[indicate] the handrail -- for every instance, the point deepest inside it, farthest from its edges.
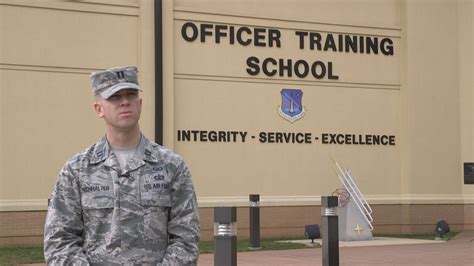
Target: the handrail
(358, 191)
(351, 187)
(358, 203)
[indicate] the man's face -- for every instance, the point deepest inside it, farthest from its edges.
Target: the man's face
(120, 111)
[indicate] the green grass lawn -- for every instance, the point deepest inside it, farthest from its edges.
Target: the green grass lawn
(265, 244)
(447, 236)
(23, 255)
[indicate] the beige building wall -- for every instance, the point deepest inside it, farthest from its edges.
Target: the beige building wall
(422, 95)
(466, 74)
(48, 50)
(438, 105)
(431, 117)
(413, 94)
(213, 91)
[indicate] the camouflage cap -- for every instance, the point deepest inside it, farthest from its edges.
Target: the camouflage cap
(106, 83)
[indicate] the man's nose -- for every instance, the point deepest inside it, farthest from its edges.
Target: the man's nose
(124, 101)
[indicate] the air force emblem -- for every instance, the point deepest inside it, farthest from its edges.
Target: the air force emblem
(291, 107)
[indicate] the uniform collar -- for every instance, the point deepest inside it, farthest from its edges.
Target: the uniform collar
(102, 152)
(146, 148)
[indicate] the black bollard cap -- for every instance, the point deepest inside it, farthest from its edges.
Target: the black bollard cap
(225, 215)
(329, 201)
(254, 197)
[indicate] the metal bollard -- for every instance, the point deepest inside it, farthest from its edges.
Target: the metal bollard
(254, 223)
(330, 241)
(225, 236)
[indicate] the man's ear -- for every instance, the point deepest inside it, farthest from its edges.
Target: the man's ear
(99, 110)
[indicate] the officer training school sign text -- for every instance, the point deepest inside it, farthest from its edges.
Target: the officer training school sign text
(272, 38)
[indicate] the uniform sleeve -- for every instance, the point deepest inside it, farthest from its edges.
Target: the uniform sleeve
(64, 225)
(183, 224)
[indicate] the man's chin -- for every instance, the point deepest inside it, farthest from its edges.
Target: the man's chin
(124, 126)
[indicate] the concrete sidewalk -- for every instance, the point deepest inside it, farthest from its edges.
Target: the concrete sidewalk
(458, 251)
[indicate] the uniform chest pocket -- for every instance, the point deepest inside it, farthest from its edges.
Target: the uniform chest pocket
(94, 201)
(97, 207)
(153, 199)
(96, 193)
(155, 191)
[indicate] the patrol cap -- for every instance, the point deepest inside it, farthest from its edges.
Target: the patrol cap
(106, 83)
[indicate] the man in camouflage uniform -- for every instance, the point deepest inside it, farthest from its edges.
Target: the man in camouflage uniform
(125, 200)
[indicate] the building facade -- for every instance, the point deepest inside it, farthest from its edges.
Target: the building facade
(258, 96)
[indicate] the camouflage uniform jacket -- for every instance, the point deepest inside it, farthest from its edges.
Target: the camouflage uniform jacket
(145, 214)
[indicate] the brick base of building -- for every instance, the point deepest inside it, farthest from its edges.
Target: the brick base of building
(26, 228)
